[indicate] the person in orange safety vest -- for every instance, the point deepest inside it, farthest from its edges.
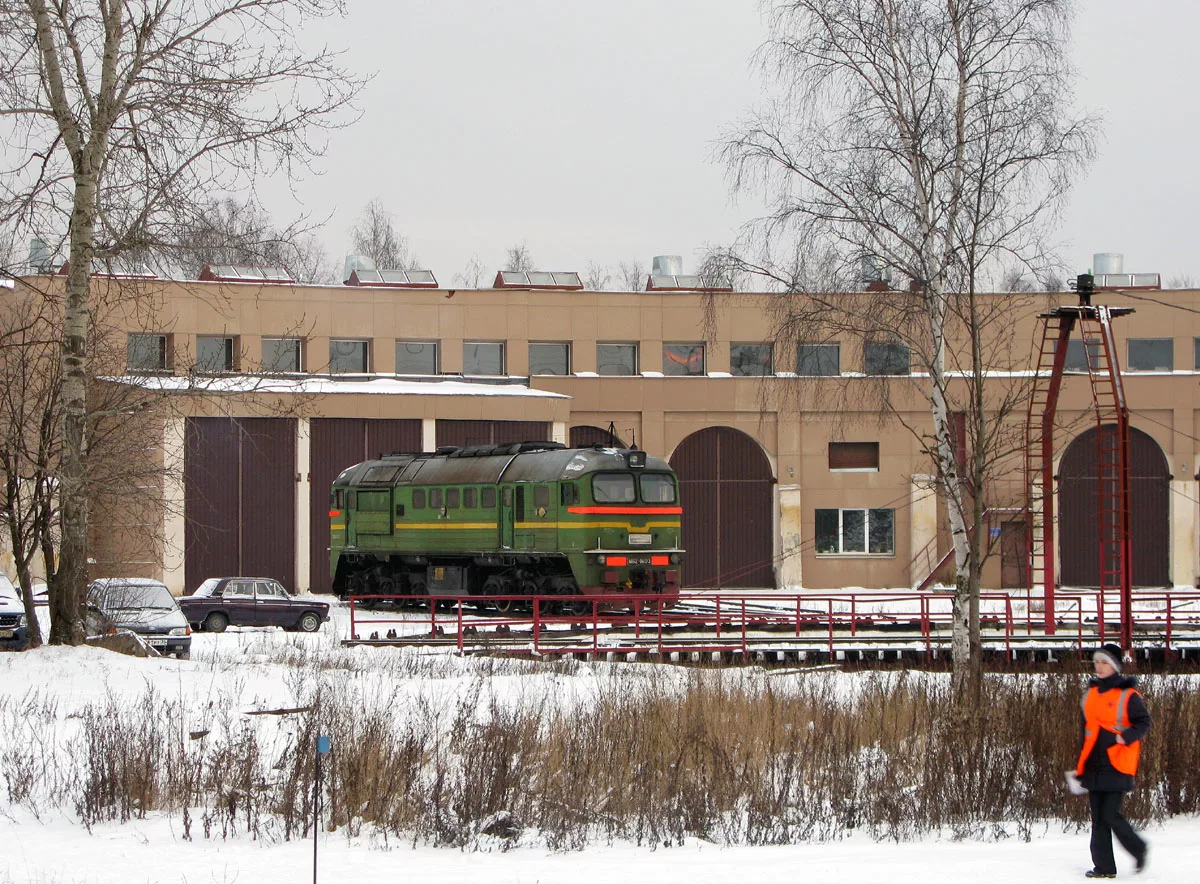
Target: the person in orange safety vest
(1114, 722)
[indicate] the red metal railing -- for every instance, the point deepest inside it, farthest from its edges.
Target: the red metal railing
(741, 623)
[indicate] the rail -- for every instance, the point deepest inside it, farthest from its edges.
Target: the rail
(744, 623)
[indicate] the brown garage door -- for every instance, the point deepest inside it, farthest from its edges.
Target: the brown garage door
(490, 432)
(335, 444)
(725, 486)
(584, 435)
(240, 499)
(1079, 504)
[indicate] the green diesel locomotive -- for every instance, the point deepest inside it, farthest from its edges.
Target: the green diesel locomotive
(530, 518)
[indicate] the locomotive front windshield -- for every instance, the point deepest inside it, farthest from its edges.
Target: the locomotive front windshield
(613, 488)
(658, 488)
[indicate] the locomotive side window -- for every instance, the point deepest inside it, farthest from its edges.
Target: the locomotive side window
(469, 498)
(658, 488)
(452, 498)
(419, 499)
(374, 501)
(613, 488)
(399, 510)
(436, 499)
(508, 497)
(487, 498)
(339, 499)
(569, 494)
(352, 500)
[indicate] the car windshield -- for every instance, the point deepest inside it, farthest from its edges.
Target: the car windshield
(6, 587)
(116, 596)
(206, 588)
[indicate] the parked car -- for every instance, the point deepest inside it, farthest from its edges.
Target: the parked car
(146, 607)
(250, 601)
(14, 633)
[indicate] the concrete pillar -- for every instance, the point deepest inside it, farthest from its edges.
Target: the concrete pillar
(428, 434)
(923, 525)
(303, 509)
(174, 524)
(791, 538)
(558, 432)
(1185, 570)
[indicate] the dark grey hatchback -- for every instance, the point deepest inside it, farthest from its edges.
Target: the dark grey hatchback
(146, 607)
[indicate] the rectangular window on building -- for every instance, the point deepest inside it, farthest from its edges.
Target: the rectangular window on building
(1151, 354)
(281, 354)
(146, 352)
(854, 457)
(855, 532)
(416, 357)
(215, 353)
(1196, 345)
(348, 357)
(886, 357)
(1077, 357)
(616, 359)
(683, 360)
(549, 359)
(750, 360)
(819, 360)
(483, 357)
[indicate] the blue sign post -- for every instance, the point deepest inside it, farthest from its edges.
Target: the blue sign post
(322, 749)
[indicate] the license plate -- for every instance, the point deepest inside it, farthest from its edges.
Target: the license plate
(6, 633)
(640, 539)
(156, 642)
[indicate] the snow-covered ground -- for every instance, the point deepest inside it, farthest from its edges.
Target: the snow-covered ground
(241, 671)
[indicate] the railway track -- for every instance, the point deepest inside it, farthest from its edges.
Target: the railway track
(775, 627)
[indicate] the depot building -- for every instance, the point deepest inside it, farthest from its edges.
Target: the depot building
(277, 386)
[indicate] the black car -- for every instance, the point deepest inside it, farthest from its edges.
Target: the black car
(250, 601)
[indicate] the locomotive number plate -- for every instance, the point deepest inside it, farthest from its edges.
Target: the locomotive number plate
(639, 560)
(640, 539)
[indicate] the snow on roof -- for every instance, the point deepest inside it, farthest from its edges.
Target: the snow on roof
(309, 385)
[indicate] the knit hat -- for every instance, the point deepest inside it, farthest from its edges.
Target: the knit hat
(1111, 653)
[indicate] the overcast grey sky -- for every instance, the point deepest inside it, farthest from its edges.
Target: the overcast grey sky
(586, 130)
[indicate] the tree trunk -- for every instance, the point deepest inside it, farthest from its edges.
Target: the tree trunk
(69, 592)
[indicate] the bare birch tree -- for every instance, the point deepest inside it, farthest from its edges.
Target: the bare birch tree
(375, 236)
(934, 140)
(121, 120)
(519, 259)
(631, 275)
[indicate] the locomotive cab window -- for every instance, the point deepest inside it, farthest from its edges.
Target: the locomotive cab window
(419, 499)
(569, 494)
(339, 499)
(613, 488)
(658, 488)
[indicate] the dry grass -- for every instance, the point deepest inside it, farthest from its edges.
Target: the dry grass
(729, 757)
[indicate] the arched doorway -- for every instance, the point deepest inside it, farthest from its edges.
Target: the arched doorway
(584, 435)
(1079, 505)
(725, 488)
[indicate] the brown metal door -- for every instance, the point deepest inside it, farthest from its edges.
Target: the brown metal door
(336, 443)
(582, 436)
(725, 486)
(1079, 503)
(240, 499)
(464, 433)
(1014, 558)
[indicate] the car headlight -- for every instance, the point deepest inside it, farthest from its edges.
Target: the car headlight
(179, 630)
(21, 621)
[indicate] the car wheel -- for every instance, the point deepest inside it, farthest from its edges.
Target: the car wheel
(310, 622)
(215, 622)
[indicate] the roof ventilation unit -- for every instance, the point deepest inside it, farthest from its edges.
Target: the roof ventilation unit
(244, 273)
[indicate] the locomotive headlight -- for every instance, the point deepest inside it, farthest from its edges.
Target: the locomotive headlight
(601, 559)
(674, 558)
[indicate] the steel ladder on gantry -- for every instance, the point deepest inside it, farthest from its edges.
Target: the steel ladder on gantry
(1112, 456)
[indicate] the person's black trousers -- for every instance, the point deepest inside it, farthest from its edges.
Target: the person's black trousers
(1106, 822)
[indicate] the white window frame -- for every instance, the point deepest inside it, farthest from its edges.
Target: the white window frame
(841, 532)
(366, 351)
